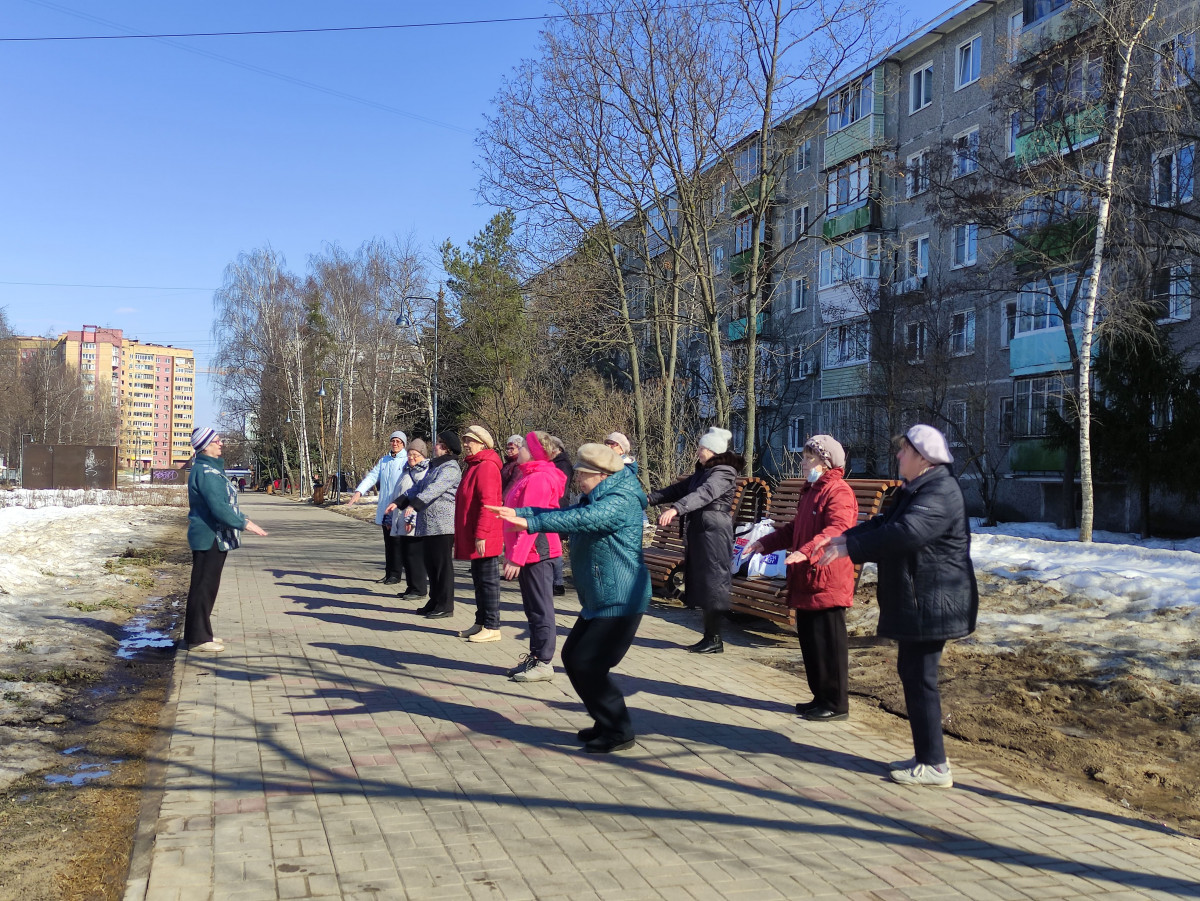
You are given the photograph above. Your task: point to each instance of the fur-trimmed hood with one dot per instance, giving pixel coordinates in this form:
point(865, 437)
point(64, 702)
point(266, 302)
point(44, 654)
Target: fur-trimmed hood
point(729, 458)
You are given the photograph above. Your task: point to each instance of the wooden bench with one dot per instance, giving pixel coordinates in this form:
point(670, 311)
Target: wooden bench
point(664, 554)
point(767, 598)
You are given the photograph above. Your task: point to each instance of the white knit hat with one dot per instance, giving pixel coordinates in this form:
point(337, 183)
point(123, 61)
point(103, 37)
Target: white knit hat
point(716, 439)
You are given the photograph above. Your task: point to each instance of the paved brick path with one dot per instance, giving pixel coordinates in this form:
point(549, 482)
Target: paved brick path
point(343, 748)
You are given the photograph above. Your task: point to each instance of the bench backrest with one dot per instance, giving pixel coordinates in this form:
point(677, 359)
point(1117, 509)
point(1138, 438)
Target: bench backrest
point(873, 496)
point(751, 500)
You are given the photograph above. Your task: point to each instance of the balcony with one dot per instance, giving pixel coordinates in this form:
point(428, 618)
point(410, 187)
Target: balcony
point(1057, 242)
point(1070, 132)
point(1032, 455)
point(739, 263)
point(863, 216)
point(736, 329)
point(743, 197)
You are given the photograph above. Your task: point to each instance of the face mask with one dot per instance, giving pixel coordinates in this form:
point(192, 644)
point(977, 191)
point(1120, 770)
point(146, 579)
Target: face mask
point(813, 474)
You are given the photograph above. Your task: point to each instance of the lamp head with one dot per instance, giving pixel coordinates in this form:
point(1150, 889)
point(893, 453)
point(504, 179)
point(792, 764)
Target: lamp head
point(321, 390)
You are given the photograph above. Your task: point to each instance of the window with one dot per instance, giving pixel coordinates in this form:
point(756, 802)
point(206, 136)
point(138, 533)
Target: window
point(1039, 304)
point(745, 165)
point(800, 294)
point(855, 259)
point(916, 257)
point(720, 192)
point(850, 104)
point(798, 226)
point(1008, 323)
point(802, 158)
point(962, 333)
point(914, 341)
point(956, 423)
point(796, 435)
point(966, 153)
point(1172, 176)
point(967, 71)
point(848, 343)
point(1015, 23)
point(1006, 421)
point(1176, 62)
point(1033, 400)
point(920, 93)
point(1011, 133)
point(798, 368)
point(743, 231)
point(849, 184)
point(966, 237)
point(916, 174)
point(1039, 9)
point(1171, 293)
point(719, 260)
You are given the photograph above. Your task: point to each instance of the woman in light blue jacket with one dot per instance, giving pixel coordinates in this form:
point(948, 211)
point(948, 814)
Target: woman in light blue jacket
point(387, 473)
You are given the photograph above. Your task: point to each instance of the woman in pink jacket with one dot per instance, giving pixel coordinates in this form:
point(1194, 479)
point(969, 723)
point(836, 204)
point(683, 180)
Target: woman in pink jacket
point(529, 556)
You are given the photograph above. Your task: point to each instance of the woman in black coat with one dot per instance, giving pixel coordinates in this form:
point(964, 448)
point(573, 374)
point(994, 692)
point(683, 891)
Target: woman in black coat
point(705, 499)
point(927, 590)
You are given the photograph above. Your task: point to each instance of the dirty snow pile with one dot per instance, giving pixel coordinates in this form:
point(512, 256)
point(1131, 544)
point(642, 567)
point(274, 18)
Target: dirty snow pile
point(1128, 606)
point(138, 495)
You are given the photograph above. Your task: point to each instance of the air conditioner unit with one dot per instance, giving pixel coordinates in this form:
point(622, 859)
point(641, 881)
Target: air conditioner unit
point(807, 368)
point(909, 285)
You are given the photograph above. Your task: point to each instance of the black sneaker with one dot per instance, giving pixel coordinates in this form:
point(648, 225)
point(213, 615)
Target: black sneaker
point(560, 590)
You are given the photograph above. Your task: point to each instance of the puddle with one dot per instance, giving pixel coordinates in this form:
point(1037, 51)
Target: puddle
point(138, 635)
point(73, 750)
point(84, 773)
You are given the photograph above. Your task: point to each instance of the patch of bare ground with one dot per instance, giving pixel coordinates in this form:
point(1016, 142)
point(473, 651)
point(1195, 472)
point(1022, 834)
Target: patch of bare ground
point(86, 716)
point(1040, 715)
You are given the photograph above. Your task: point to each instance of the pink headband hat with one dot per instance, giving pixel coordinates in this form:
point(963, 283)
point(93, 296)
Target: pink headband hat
point(536, 451)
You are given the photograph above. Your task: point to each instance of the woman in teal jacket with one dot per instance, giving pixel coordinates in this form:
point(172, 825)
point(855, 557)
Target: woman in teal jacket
point(214, 521)
point(612, 581)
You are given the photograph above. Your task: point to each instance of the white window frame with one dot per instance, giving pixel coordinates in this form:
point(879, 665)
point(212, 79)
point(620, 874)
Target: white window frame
point(746, 165)
point(856, 175)
point(916, 248)
point(848, 343)
point(1178, 300)
point(969, 244)
point(1181, 191)
point(798, 294)
point(962, 332)
point(956, 414)
point(1016, 23)
point(915, 336)
point(1036, 311)
point(796, 435)
point(1008, 322)
point(920, 88)
point(719, 260)
point(1176, 63)
point(916, 173)
point(850, 104)
point(802, 158)
point(1011, 133)
point(966, 152)
point(719, 199)
point(800, 222)
point(849, 261)
point(973, 62)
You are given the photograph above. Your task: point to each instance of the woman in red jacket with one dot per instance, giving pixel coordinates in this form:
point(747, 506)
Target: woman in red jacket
point(530, 556)
point(820, 594)
point(477, 533)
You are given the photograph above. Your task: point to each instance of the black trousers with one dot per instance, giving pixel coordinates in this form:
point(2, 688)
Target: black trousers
point(485, 576)
point(826, 653)
point(393, 559)
point(917, 665)
point(537, 597)
point(590, 652)
point(438, 551)
point(413, 558)
point(202, 595)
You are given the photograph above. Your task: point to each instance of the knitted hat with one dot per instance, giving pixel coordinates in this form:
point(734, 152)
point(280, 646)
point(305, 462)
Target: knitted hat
point(201, 438)
point(515, 439)
point(619, 440)
point(716, 440)
point(598, 458)
point(929, 443)
point(825, 447)
point(451, 441)
point(480, 434)
point(398, 434)
point(419, 446)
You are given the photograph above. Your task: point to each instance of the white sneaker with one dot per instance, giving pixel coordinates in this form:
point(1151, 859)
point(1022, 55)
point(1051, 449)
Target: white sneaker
point(534, 670)
point(485, 634)
point(209, 647)
point(924, 774)
point(467, 633)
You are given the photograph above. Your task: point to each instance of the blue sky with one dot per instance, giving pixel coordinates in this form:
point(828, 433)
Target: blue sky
point(145, 164)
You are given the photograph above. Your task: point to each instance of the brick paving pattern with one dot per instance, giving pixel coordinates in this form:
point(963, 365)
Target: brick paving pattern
point(344, 748)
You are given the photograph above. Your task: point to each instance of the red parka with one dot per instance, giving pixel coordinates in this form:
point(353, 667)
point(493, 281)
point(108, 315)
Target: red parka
point(826, 507)
point(480, 485)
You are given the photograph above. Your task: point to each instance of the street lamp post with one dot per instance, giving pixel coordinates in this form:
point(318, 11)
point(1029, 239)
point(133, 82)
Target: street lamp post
point(405, 320)
point(337, 488)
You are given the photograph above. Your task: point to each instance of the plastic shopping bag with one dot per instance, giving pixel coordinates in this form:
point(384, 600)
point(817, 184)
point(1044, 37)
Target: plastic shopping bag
point(748, 535)
point(768, 566)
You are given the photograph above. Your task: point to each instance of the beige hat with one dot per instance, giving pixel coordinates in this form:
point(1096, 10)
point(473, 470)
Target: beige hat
point(828, 449)
point(619, 439)
point(598, 458)
point(480, 434)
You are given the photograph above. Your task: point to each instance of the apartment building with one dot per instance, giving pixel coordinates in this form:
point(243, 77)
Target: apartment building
point(877, 306)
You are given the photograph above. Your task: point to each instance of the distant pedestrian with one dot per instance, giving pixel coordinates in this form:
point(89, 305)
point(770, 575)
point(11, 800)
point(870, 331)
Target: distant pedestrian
point(404, 523)
point(433, 499)
point(560, 458)
point(705, 500)
point(605, 530)
point(478, 536)
point(927, 589)
point(620, 443)
point(241, 486)
point(820, 595)
point(214, 522)
point(508, 473)
point(386, 474)
point(530, 556)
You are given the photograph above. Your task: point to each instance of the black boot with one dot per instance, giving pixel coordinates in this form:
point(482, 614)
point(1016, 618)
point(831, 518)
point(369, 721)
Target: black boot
point(711, 642)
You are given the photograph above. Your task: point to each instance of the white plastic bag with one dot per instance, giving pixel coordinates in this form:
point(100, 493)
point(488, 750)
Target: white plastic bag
point(749, 535)
point(768, 566)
